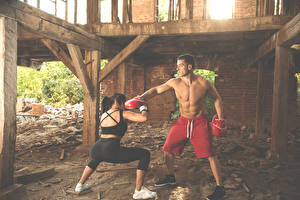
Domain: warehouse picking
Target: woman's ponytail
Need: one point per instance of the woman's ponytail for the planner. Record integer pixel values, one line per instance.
(106, 104)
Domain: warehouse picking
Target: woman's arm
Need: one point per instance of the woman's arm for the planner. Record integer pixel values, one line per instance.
(135, 117)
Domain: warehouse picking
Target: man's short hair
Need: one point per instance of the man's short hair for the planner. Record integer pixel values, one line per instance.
(189, 59)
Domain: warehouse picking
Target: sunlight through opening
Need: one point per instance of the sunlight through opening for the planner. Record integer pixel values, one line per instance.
(221, 9)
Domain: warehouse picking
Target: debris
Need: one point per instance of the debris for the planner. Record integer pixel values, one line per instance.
(34, 176)
(62, 154)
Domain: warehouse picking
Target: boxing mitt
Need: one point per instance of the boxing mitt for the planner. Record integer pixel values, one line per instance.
(135, 102)
(218, 127)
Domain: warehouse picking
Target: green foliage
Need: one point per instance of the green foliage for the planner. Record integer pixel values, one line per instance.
(54, 85)
(29, 83)
(210, 108)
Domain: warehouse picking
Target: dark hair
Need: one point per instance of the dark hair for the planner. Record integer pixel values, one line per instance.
(107, 102)
(189, 59)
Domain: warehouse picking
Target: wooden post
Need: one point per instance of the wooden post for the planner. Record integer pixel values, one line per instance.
(189, 9)
(280, 103)
(156, 5)
(91, 102)
(259, 127)
(92, 11)
(122, 77)
(75, 11)
(125, 13)
(114, 11)
(8, 99)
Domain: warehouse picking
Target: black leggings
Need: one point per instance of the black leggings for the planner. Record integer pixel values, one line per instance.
(109, 150)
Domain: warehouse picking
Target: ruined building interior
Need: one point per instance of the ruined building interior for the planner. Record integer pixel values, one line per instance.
(255, 52)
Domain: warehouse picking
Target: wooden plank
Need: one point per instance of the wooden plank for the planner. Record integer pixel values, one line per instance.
(80, 68)
(188, 27)
(120, 57)
(122, 78)
(114, 11)
(280, 103)
(189, 9)
(8, 99)
(60, 54)
(35, 176)
(259, 126)
(92, 11)
(46, 25)
(287, 35)
(91, 102)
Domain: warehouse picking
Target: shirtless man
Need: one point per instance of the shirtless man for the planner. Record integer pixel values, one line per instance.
(190, 90)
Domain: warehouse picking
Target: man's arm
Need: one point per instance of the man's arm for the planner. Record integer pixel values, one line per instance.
(213, 93)
(157, 90)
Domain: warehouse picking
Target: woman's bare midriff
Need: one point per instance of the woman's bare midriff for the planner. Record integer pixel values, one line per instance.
(109, 136)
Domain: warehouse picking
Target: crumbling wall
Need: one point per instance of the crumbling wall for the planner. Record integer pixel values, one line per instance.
(244, 8)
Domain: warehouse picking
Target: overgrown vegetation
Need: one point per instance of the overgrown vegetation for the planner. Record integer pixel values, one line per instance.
(210, 108)
(54, 85)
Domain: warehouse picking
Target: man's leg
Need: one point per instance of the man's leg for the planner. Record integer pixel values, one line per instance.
(219, 192)
(215, 168)
(169, 161)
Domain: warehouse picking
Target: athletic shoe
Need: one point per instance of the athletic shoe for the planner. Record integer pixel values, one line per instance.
(167, 180)
(81, 187)
(218, 194)
(144, 193)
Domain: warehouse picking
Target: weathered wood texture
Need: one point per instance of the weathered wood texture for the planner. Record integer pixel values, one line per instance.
(8, 99)
(44, 24)
(91, 101)
(80, 68)
(287, 35)
(191, 26)
(92, 11)
(60, 54)
(280, 103)
(127, 51)
(259, 126)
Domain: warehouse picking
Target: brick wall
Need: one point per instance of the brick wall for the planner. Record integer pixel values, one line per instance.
(143, 11)
(245, 8)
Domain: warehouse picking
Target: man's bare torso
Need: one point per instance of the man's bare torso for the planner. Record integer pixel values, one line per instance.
(191, 96)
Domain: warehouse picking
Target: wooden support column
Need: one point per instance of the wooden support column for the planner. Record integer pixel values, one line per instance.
(122, 77)
(8, 99)
(189, 9)
(280, 103)
(92, 12)
(114, 11)
(91, 102)
(259, 127)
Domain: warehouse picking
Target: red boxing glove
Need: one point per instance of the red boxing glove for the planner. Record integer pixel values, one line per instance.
(218, 127)
(135, 102)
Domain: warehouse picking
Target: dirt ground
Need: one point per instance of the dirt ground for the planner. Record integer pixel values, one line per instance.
(248, 171)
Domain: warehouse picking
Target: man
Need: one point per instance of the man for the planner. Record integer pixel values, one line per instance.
(190, 90)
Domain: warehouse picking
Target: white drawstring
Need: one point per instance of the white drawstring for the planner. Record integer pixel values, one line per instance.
(189, 129)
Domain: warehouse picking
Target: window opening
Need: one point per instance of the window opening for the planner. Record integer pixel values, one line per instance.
(221, 9)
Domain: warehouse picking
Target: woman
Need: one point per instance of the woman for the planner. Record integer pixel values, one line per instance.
(107, 148)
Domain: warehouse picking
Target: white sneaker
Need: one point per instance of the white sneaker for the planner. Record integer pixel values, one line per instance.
(144, 193)
(81, 187)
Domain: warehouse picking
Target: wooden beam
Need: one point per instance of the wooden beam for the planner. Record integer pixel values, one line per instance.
(8, 99)
(60, 54)
(280, 103)
(259, 126)
(189, 27)
(46, 25)
(120, 57)
(91, 102)
(80, 68)
(92, 11)
(114, 11)
(286, 36)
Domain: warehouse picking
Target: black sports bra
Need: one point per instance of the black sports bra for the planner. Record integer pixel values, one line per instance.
(119, 129)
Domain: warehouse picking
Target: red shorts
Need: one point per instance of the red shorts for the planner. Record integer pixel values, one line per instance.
(196, 130)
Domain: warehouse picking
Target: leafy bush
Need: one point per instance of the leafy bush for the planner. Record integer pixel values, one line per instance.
(54, 84)
(210, 107)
